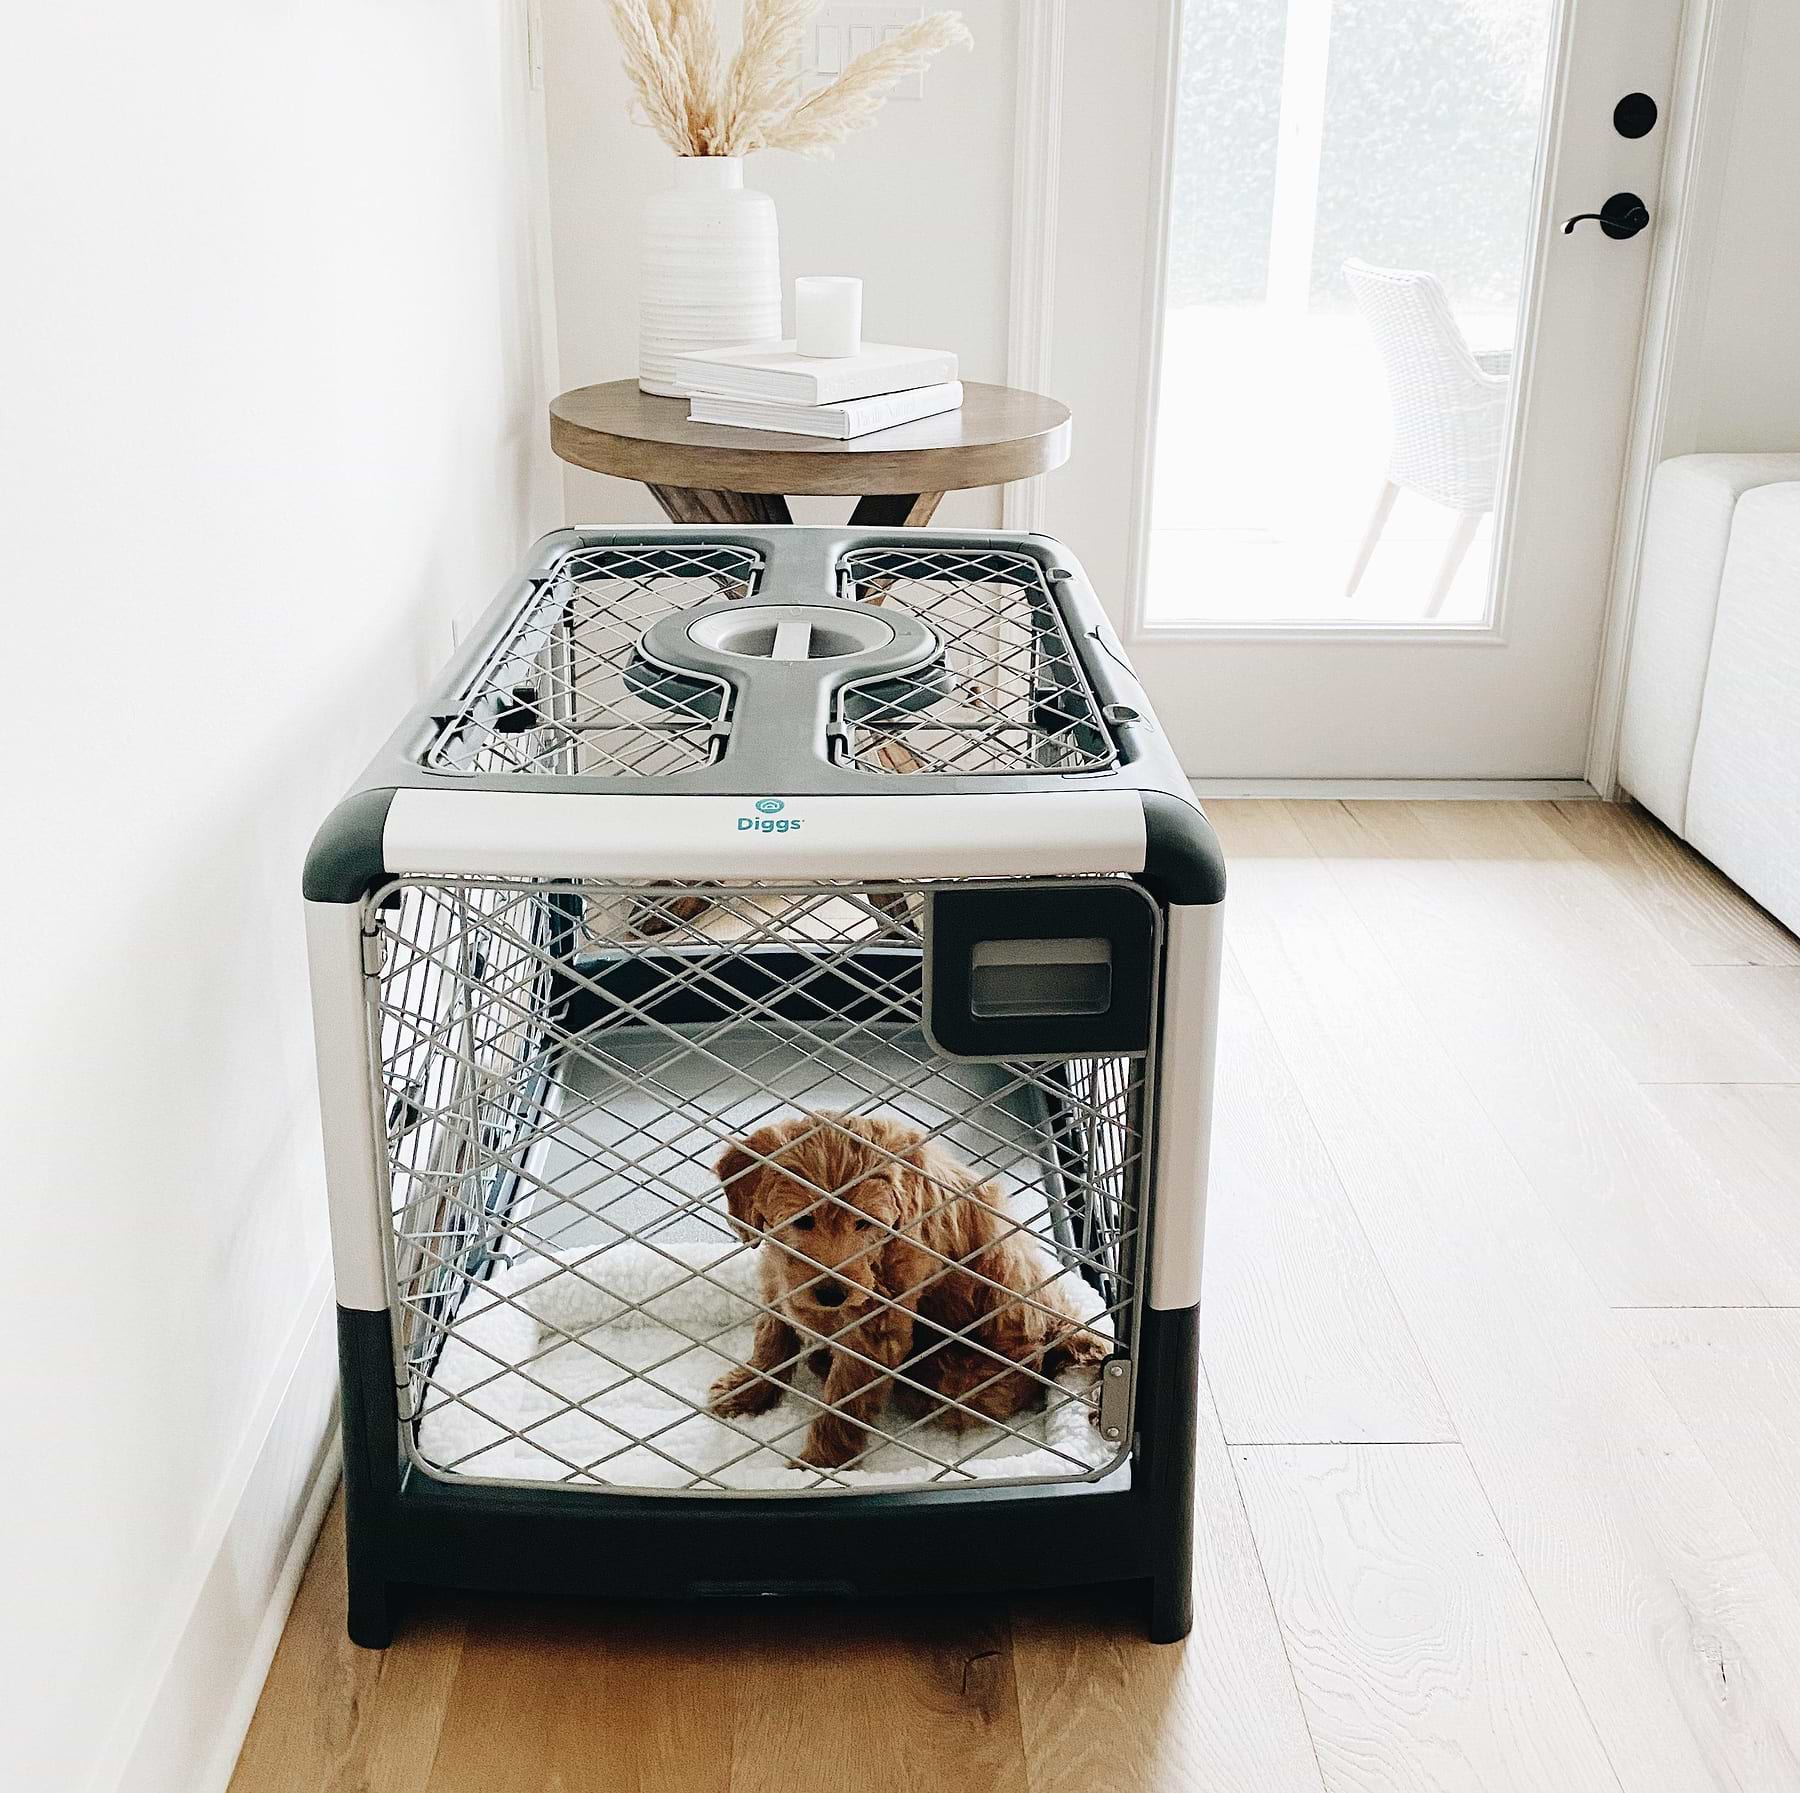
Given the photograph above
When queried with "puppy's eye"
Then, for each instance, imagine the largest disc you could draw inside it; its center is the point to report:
(862, 1226)
(804, 1223)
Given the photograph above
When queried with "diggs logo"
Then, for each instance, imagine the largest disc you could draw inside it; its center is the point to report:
(765, 822)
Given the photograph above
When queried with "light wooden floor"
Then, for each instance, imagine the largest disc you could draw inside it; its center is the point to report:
(1500, 1479)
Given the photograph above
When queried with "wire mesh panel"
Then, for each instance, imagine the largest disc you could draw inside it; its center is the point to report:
(466, 1061)
(567, 691)
(684, 1201)
(1009, 694)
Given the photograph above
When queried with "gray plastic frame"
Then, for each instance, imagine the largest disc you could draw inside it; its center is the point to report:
(783, 713)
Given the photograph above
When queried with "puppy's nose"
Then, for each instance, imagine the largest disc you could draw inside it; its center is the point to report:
(828, 1293)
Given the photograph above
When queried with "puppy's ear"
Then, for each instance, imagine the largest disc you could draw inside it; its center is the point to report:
(924, 1181)
(740, 1171)
(914, 1199)
(936, 1177)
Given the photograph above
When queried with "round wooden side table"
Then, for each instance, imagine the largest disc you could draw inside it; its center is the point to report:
(703, 473)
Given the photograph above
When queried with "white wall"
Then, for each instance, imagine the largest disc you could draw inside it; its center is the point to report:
(1737, 375)
(272, 415)
(919, 206)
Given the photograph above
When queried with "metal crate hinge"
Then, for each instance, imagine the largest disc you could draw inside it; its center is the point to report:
(374, 950)
(1115, 1399)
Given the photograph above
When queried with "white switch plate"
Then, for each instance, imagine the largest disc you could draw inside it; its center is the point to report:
(839, 32)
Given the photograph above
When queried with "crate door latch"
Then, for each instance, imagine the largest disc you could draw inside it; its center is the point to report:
(1115, 1399)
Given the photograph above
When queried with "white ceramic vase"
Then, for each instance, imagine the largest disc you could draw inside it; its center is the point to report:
(711, 271)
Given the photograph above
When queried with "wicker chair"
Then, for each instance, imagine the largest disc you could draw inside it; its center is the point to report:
(1449, 406)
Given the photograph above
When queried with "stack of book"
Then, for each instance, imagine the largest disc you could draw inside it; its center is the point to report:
(767, 386)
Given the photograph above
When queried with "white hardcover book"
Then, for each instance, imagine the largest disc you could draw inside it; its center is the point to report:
(857, 417)
(772, 370)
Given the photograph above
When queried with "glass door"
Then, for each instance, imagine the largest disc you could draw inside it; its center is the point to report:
(1390, 404)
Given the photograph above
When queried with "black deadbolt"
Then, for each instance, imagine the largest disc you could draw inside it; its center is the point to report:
(1623, 215)
(1635, 115)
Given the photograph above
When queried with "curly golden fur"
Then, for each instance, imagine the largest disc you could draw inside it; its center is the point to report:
(883, 1254)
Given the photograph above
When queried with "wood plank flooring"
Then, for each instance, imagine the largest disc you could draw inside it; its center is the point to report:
(1498, 1465)
(1422, 1659)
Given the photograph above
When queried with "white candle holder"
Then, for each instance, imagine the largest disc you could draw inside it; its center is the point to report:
(827, 316)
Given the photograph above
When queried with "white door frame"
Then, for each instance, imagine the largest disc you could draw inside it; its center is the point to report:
(1699, 120)
(1037, 141)
(1150, 333)
(1697, 123)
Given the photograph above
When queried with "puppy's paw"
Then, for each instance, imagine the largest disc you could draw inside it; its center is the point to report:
(741, 1392)
(1083, 1349)
(830, 1445)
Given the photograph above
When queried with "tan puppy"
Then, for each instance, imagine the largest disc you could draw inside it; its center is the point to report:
(878, 1249)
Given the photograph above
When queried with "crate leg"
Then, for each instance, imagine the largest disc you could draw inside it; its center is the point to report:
(1167, 1427)
(371, 1427)
(370, 1608)
(1171, 1608)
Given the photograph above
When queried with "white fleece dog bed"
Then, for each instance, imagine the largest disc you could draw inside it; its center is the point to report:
(593, 1362)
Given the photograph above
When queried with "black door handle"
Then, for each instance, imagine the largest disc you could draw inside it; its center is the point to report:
(1624, 215)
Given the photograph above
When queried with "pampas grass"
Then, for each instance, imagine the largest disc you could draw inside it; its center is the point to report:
(763, 85)
(850, 103)
(657, 70)
(699, 107)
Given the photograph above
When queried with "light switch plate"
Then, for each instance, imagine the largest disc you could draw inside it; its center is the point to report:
(838, 33)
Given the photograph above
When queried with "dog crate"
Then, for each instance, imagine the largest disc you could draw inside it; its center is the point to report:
(765, 1002)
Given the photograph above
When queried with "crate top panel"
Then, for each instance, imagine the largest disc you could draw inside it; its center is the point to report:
(1004, 693)
(778, 654)
(565, 689)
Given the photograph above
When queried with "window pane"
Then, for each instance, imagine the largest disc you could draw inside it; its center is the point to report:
(1351, 194)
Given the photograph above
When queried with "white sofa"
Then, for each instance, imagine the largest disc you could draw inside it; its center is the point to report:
(1711, 735)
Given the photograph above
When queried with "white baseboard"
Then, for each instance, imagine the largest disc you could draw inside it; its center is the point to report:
(1402, 790)
(241, 1708)
(181, 1728)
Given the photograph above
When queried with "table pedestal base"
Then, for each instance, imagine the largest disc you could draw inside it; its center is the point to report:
(877, 510)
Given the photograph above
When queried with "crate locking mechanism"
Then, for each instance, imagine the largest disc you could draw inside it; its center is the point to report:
(1115, 1399)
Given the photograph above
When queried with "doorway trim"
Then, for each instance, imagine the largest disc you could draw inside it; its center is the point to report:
(1150, 319)
(1701, 112)
(1036, 170)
